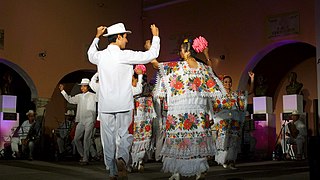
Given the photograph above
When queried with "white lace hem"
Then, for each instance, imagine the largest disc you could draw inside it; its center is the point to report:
(185, 167)
(139, 149)
(222, 156)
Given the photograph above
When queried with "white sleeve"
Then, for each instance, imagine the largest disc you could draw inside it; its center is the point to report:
(141, 57)
(138, 89)
(71, 100)
(302, 129)
(93, 82)
(93, 53)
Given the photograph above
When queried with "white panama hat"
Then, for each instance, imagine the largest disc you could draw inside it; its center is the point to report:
(30, 112)
(69, 113)
(116, 29)
(85, 81)
(295, 112)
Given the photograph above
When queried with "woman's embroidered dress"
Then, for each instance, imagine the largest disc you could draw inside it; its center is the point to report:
(229, 117)
(190, 93)
(144, 114)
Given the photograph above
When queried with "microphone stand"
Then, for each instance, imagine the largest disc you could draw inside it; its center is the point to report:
(282, 130)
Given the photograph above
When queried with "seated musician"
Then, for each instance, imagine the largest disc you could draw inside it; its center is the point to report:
(21, 137)
(295, 133)
(63, 134)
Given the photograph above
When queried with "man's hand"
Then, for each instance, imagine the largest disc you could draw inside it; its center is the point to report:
(206, 53)
(61, 87)
(154, 30)
(251, 75)
(147, 45)
(100, 31)
(155, 64)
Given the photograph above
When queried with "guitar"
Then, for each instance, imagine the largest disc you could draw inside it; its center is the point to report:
(293, 130)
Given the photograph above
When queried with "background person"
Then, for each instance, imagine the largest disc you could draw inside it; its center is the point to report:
(21, 137)
(85, 118)
(295, 133)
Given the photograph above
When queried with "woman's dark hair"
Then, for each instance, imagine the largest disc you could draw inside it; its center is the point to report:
(187, 46)
(135, 75)
(225, 77)
(113, 38)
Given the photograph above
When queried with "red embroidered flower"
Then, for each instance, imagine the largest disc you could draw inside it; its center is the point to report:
(191, 117)
(187, 124)
(149, 102)
(167, 125)
(210, 83)
(172, 64)
(148, 128)
(178, 85)
(137, 104)
(197, 82)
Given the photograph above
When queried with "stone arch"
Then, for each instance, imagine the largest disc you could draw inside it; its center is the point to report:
(23, 75)
(281, 57)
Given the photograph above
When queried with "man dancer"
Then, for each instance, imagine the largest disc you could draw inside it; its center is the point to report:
(115, 102)
(85, 118)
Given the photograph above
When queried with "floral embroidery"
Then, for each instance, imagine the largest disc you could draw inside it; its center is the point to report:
(176, 84)
(188, 132)
(170, 67)
(144, 113)
(181, 79)
(170, 123)
(235, 100)
(228, 127)
(197, 84)
(188, 121)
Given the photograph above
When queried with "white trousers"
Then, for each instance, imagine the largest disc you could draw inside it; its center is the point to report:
(60, 143)
(16, 141)
(288, 141)
(115, 137)
(97, 142)
(83, 129)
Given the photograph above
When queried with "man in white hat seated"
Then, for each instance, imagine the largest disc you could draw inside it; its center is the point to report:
(115, 101)
(85, 118)
(20, 137)
(295, 134)
(63, 136)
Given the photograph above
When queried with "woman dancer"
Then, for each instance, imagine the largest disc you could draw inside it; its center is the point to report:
(229, 115)
(189, 86)
(142, 125)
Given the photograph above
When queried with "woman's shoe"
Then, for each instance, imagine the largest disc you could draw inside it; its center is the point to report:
(175, 176)
(225, 166)
(232, 167)
(201, 175)
(140, 167)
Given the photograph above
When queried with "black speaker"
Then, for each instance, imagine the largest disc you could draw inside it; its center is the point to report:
(314, 156)
(316, 116)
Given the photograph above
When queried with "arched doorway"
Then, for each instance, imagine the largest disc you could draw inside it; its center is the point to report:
(73, 79)
(21, 86)
(58, 106)
(274, 63)
(275, 60)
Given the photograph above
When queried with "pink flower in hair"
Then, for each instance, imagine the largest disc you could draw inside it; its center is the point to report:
(199, 44)
(141, 67)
